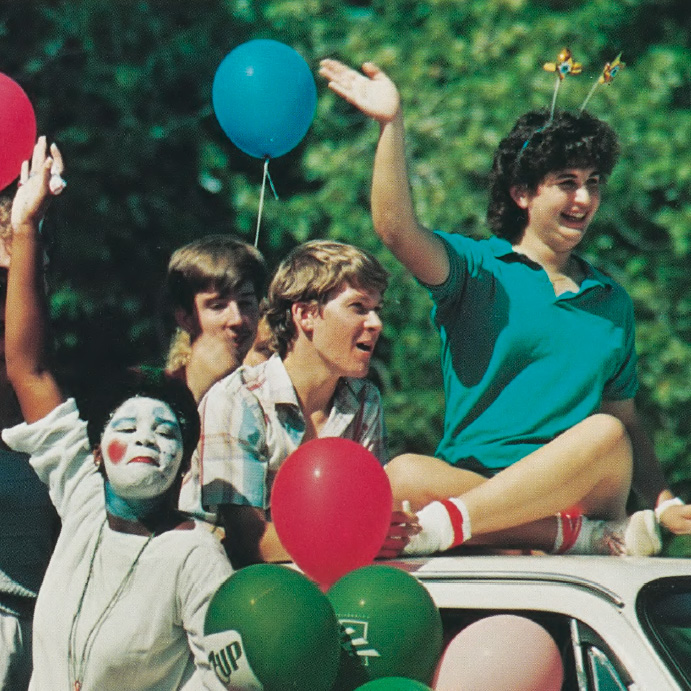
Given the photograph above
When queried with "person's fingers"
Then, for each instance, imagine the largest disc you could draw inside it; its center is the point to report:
(398, 531)
(24, 172)
(392, 547)
(333, 68)
(39, 155)
(342, 79)
(56, 184)
(58, 166)
(44, 171)
(389, 553)
(340, 90)
(371, 70)
(676, 519)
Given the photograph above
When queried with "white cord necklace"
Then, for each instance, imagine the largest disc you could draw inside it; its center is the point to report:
(78, 666)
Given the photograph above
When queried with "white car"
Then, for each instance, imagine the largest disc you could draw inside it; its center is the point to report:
(620, 622)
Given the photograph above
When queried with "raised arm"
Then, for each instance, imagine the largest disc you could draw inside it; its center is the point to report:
(393, 214)
(26, 319)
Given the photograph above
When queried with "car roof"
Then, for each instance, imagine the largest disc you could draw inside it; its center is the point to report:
(621, 578)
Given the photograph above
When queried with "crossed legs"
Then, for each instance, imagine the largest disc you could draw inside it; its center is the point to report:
(589, 465)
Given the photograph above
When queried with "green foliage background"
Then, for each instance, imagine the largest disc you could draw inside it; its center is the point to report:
(124, 86)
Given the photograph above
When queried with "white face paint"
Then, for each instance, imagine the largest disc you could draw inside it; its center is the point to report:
(142, 448)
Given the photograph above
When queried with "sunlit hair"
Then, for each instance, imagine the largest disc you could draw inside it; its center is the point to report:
(146, 382)
(215, 263)
(537, 146)
(310, 273)
(218, 263)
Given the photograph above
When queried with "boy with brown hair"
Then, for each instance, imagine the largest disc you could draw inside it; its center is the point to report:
(213, 288)
(323, 310)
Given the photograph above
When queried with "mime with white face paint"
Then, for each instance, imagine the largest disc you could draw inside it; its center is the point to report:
(124, 598)
(142, 449)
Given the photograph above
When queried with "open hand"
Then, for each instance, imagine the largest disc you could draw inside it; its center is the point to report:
(39, 181)
(371, 91)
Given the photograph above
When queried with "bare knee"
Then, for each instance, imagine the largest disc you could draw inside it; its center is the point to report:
(612, 463)
(608, 433)
(422, 479)
(405, 475)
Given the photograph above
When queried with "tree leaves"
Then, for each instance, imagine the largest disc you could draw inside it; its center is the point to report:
(124, 87)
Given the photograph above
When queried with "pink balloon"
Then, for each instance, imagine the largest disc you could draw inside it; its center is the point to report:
(331, 505)
(501, 653)
(17, 129)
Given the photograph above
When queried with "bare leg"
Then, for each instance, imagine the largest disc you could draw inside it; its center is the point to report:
(424, 479)
(589, 465)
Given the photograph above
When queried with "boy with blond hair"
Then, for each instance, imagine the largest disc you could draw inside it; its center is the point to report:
(323, 310)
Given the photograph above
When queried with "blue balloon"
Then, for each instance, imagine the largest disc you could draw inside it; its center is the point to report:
(264, 97)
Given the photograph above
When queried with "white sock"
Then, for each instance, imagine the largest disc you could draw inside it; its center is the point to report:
(444, 524)
(582, 545)
(600, 537)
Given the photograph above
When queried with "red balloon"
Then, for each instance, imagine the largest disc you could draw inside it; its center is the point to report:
(331, 505)
(17, 129)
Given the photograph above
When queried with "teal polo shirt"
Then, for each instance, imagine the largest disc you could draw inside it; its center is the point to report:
(521, 365)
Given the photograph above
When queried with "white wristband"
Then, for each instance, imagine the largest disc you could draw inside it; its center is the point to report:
(664, 505)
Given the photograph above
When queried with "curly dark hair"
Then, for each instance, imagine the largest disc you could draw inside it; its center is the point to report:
(537, 146)
(149, 382)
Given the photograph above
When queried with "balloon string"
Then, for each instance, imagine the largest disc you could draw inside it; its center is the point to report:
(271, 182)
(261, 198)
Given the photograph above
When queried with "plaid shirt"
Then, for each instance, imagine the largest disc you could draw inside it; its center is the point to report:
(252, 421)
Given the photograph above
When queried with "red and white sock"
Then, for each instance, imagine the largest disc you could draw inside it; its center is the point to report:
(569, 528)
(445, 524)
(637, 535)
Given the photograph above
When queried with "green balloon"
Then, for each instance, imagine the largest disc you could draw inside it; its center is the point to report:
(394, 684)
(269, 627)
(390, 627)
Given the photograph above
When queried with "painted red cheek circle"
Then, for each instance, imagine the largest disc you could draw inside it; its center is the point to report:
(116, 451)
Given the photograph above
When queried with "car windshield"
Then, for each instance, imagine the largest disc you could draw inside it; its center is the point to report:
(664, 609)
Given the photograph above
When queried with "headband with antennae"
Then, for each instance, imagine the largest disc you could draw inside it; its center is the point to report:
(609, 72)
(564, 65)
